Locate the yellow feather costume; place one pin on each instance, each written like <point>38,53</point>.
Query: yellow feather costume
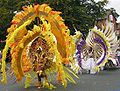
<point>38,33</point>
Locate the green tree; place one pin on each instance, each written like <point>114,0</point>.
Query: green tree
<point>7,9</point>
<point>80,14</point>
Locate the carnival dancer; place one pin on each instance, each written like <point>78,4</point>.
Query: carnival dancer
<point>89,64</point>
<point>40,45</point>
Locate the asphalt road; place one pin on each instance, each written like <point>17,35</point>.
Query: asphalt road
<point>104,81</point>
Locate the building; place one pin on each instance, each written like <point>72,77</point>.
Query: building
<point>109,17</point>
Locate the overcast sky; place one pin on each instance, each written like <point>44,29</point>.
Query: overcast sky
<point>114,4</point>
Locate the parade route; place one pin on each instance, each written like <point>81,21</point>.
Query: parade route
<point>104,81</point>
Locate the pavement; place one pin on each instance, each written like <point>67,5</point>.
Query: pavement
<point>107,80</point>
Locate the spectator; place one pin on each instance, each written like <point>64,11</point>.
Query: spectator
<point>118,54</point>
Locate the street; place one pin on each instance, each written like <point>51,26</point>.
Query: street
<point>103,81</point>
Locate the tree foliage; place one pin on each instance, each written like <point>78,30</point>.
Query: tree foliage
<point>80,14</point>
<point>7,9</point>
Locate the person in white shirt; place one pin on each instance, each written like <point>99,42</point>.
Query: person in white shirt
<point>89,64</point>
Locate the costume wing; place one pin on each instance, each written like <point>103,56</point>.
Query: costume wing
<point>103,41</point>
<point>100,45</point>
